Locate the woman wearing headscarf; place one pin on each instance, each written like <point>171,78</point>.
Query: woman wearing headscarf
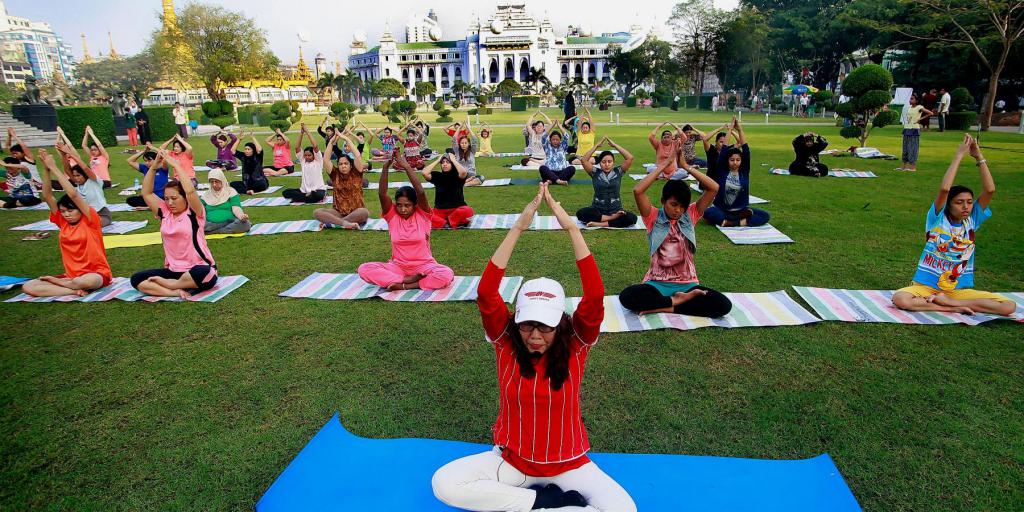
<point>224,213</point>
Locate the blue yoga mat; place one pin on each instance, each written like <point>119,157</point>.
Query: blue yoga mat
<point>8,282</point>
<point>340,471</point>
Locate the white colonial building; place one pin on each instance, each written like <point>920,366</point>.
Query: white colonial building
<point>506,45</point>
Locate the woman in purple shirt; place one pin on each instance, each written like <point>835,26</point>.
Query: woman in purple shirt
<point>224,141</point>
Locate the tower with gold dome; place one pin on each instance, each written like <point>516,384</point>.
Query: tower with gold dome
<point>180,84</point>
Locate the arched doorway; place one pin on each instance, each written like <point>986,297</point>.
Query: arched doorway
<point>493,72</point>
<point>510,70</point>
<point>524,69</point>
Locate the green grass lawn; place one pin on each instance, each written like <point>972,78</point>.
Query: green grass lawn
<point>137,406</point>
<point>503,115</point>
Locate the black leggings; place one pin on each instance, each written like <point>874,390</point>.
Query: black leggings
<point>644,297</point>
<point>136,202</point>
<point>240,187</point>
<point>201,274</point>
<point>296,196</point>
<point>801,169</point>
<point>10,202</point>
<point>551,175</point>
<point>591,214</point>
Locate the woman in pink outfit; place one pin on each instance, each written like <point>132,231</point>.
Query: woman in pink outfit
<point>412,265</point>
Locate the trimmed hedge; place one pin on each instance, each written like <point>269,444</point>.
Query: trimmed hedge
<point>631,101</point>
<point>161,121</point>
<point>524,102</point>
<point>73,121</point>
<point>960,120</point>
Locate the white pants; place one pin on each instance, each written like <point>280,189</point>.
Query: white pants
<point>485,482</point>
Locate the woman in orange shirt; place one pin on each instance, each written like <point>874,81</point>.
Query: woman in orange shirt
<point>81,241</point>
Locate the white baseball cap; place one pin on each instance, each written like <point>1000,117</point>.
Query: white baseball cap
<point>540,300</point>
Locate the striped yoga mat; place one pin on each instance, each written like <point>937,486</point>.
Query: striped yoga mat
<point>638,177</point>
<point>350,287</point>
<point>835,173</point>
<point>753,199</point>
<point>121,289</point>
<point>755,235</point>
<point>518,167</point>
<point>293,226</point>
<point>506,155</point>
<point>876,306</point>
<point>280,201</point>
<point>8,282</point>
<point>118,227</point>
<point>396,184</point>
<point>748,310</point>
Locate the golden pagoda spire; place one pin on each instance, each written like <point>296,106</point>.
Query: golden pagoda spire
<point>302,70</point>
<point>170,18</point>
<point>86,58</point>
<point>113,53</point>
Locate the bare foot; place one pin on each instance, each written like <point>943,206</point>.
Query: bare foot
<point>942,299</point>
<point>594,224</point>
<point>184,295</point>
<point>81,293</point>
<point>349,225</point>
<point>561,182</point>
<point>682,297</point>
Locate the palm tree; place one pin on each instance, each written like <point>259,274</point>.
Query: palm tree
<point>326,83</point>
<point>460,88</point>
<point>535,79</point>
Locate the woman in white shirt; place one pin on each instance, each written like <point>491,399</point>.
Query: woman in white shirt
<point>912,133</point>
<point>311,160</point>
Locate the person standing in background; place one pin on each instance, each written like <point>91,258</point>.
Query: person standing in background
<point>944,100</point>
<point>928,101</point>
<point>181,119</point>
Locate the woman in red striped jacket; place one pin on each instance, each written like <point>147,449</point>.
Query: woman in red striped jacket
<point>539,460</point>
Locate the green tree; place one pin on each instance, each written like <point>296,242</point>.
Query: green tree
<point>743,53</point>
<point>990,29</point>
<point>136,75</point>
<point>284,114</point>
<point>343,112</point>
<point>388,88</point>
<point>460,89</point>
<point>221,112</point>
<point>424,89</point>
<point>326,84</point>
<point>698,28</point>
<point>639,65</point>
<point>508,88</point>
<point>868,89</point>
<point>7,95</point>
<point>536,80</point>
<point>215,46</point>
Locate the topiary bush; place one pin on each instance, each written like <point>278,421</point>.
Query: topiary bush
<point>444,115</point>
<point>868,88</point>
<point>73,121</point>
<point>731,102</point>
<point>960,121</point>
<point>285,114</point>
<point>220,113</point>
<point>960,100</point>
<point>823,97</point>
<point>473,111</point>
<point>456,103</point>
<point>161,121</point>
<point>523,103</point>
<point>343,112</point>
<point>885,118</point>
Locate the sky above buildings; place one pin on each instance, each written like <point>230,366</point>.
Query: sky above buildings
<point>329,23</point>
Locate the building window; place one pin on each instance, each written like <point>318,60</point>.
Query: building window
<point>387,72</point>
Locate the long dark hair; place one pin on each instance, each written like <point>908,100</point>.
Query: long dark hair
<point>464,153</point>
<point>558,353</point>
